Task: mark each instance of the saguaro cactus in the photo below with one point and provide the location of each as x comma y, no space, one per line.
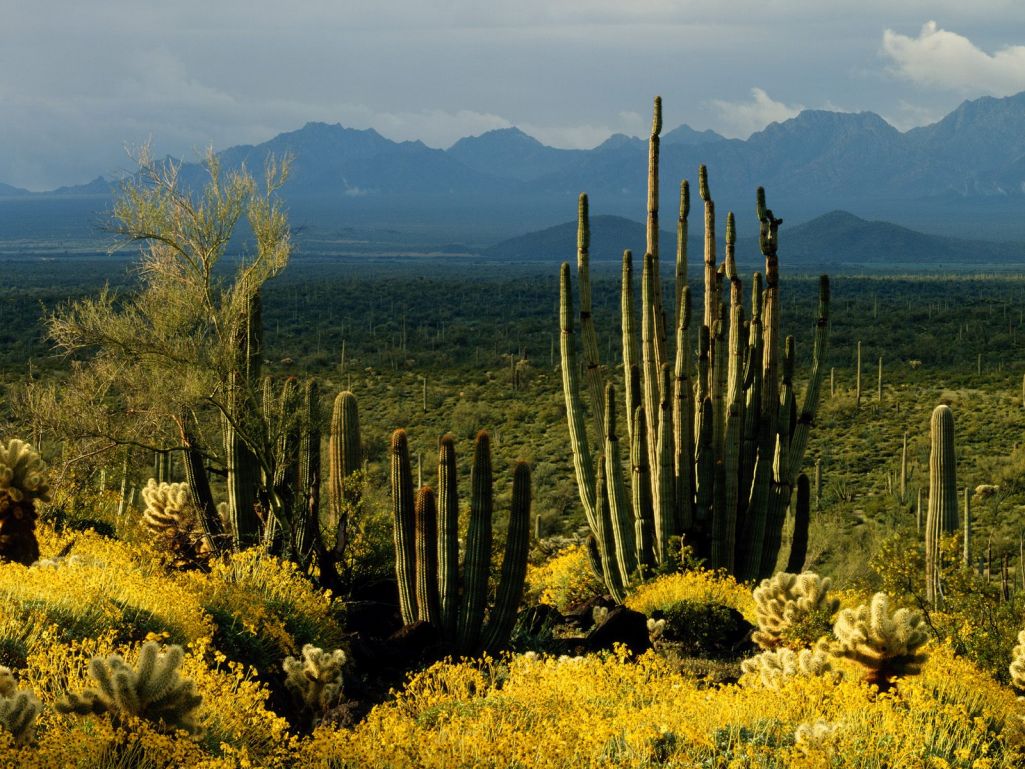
941,518
426,548
715,452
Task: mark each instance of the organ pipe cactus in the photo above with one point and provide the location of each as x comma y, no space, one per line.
22,482
724,438
426,548
941,518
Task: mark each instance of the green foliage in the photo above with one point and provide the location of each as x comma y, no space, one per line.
702,629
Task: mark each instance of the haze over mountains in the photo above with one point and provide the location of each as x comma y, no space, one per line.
963,176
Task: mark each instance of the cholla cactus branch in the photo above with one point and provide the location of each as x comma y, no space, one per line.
884,644
18,708
153,689
316,680
1018,662
22,482
773,667
788,602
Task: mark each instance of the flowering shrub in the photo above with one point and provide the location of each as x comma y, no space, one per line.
696,585
565,580
534,711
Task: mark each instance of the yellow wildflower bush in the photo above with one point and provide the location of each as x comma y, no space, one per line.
101,585
698,586
264,608
531,711
565,580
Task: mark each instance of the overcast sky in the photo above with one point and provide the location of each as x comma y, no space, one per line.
80,80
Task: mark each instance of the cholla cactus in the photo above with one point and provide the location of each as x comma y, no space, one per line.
885,645
171,516
153,689
316,680
773,667
1018,662
794,606
18,708
22,482
818,737
23,472
656,627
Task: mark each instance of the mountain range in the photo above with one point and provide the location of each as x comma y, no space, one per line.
963,176
838,238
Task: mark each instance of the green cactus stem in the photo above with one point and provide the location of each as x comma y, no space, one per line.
941,518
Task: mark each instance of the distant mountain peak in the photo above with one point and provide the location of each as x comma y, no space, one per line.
684,134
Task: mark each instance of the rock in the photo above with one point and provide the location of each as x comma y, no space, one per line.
582,615
621,626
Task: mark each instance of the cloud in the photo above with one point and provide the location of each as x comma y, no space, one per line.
949,61
743,118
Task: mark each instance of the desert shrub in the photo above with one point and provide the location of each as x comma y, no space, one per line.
696,585
703,629
603,710
564,581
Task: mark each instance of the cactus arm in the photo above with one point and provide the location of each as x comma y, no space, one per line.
604,541
514,563
588,335
619,512
345,458
665,511
478,546
629,323
802,511
683,410
711,299
650,368
682,233
582,463
425,514
404,526
448,535
704,462
643,508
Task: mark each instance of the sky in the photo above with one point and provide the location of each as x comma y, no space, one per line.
83,82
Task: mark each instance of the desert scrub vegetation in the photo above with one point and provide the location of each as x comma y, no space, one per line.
611,711
301,624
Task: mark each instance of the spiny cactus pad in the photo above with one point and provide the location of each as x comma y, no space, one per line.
884,643
316,680
153,689
792,606
18,707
